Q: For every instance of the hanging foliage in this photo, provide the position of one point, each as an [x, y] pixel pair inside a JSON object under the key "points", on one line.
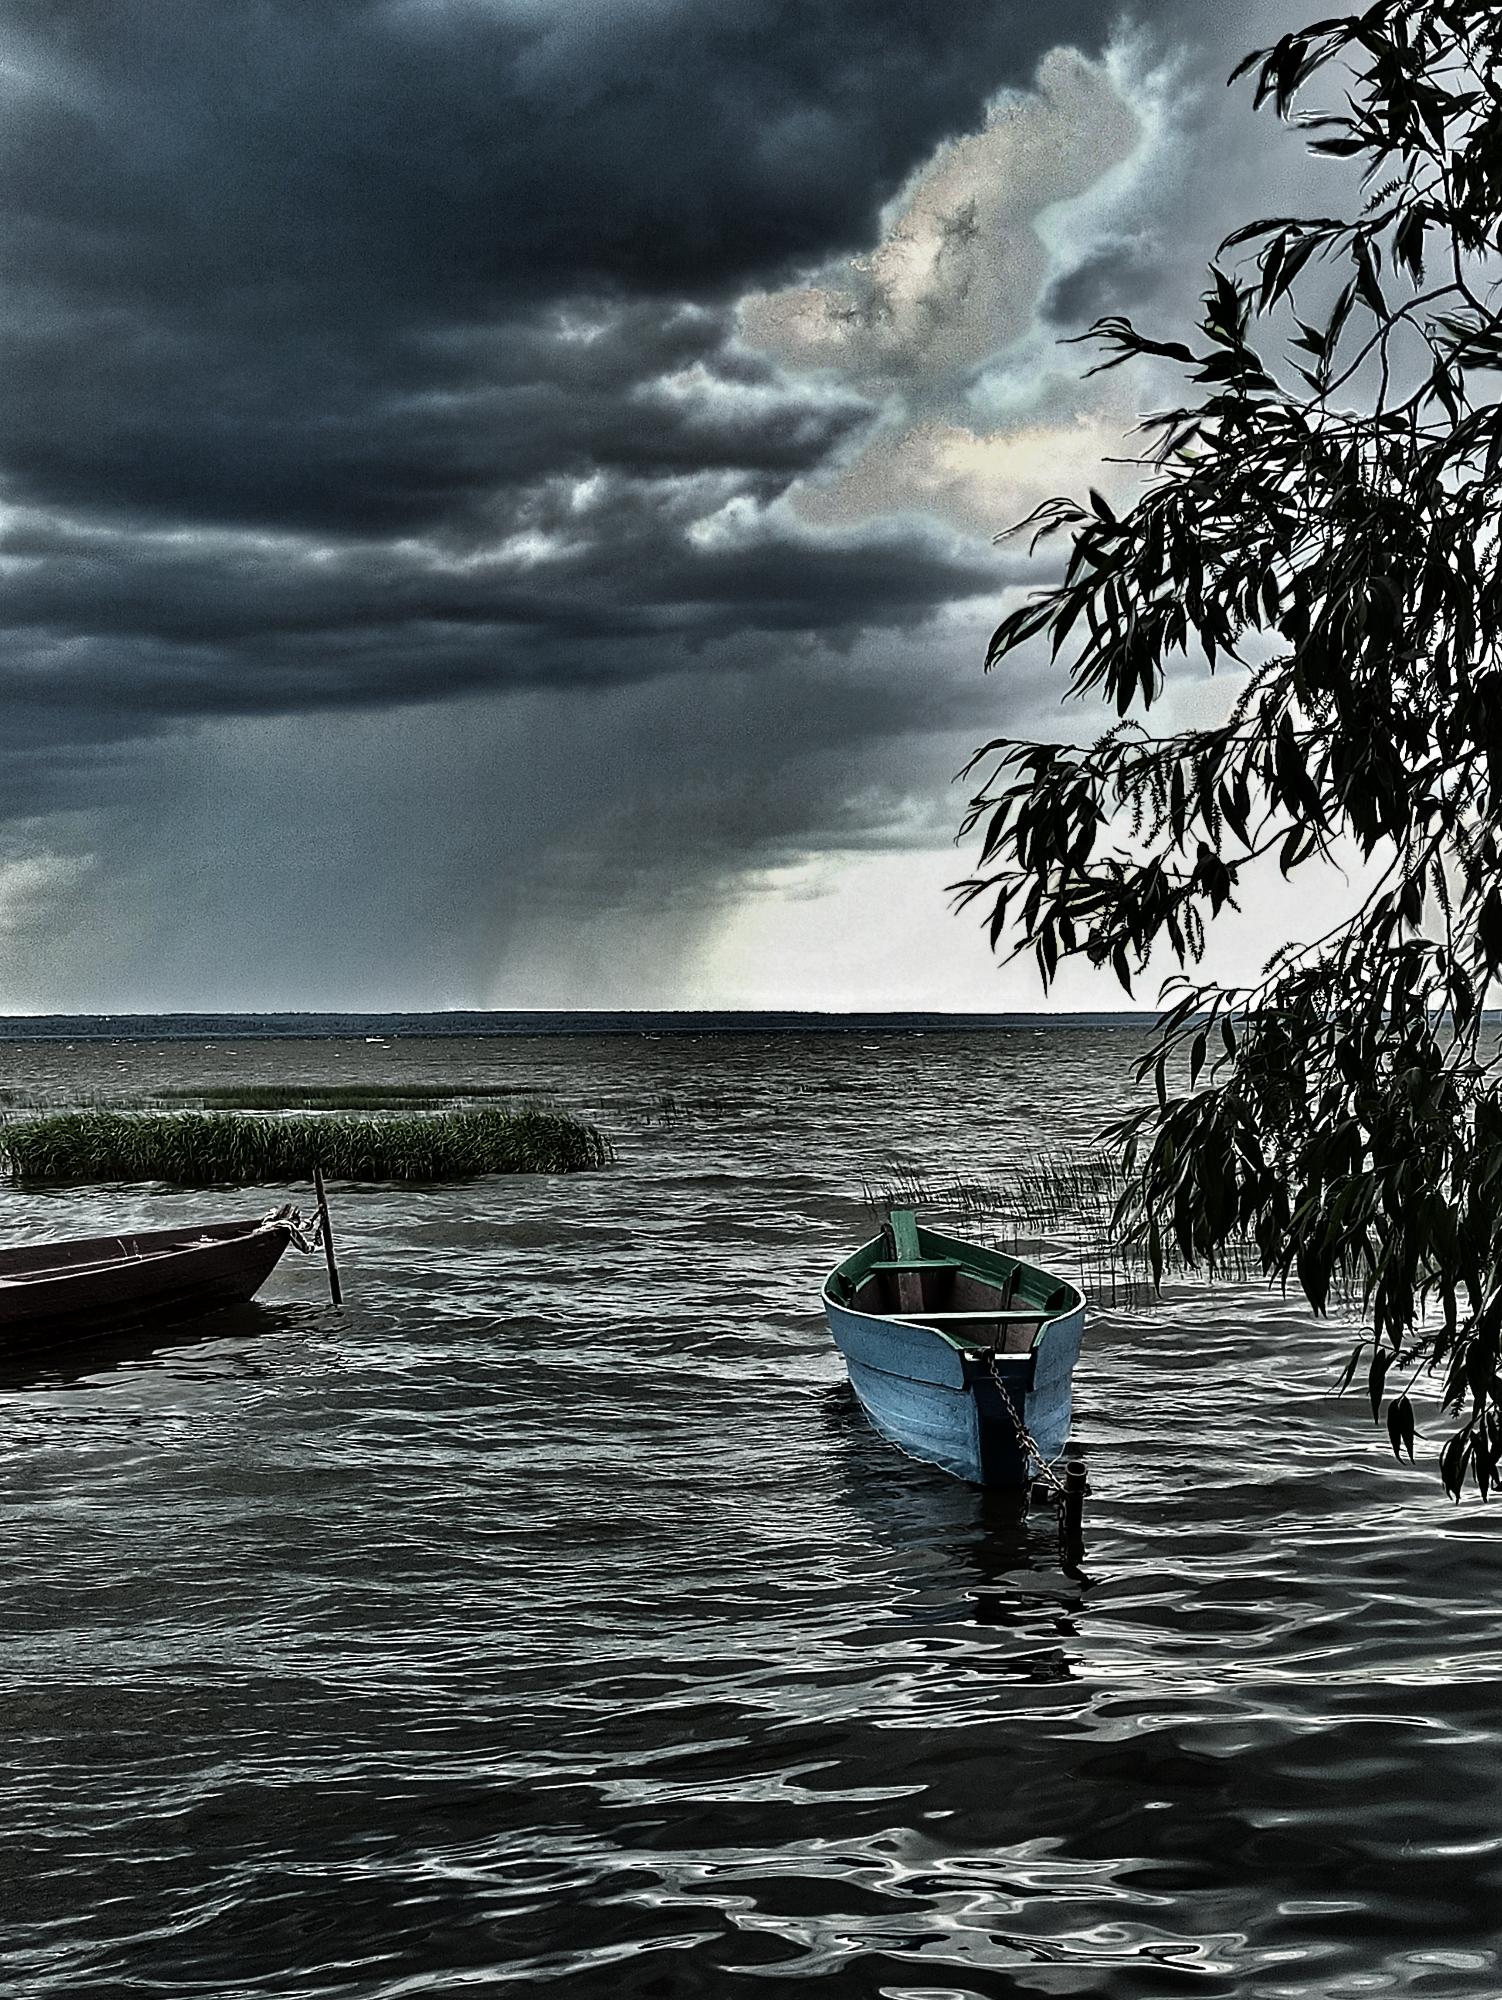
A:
{"points": [[1322, 513]]}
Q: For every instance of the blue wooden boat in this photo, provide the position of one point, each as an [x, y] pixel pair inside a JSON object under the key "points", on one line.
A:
{"points": [[939, 1336]]}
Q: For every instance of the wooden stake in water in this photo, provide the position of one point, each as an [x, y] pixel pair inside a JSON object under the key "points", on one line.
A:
{"points": [[1072, 1514], [327, 1230]]}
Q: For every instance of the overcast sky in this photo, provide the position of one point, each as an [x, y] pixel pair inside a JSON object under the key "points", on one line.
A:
{"points": [[497, 496]]}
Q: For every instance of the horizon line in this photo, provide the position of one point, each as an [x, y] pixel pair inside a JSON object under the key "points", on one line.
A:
{"points": [[613, 1013]]}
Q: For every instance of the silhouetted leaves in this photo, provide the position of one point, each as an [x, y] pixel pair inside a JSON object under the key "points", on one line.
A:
{"points": [[1400, 1427], [1323, 510]]}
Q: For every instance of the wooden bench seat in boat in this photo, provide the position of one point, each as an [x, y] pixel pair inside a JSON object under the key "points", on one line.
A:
{"points": [[1032, 1315], [909, 1269], [1012, 1332], [908, 1273], [916, 1264]]}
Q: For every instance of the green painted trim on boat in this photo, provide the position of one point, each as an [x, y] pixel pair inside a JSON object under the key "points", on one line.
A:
{"points": [[1051, 1296], [904, 1223]]}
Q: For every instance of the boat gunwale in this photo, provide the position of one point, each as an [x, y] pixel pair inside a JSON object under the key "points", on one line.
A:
{"points": [[917, 1324], [196, 1241]]}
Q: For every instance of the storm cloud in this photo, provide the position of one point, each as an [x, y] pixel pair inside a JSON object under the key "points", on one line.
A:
{"points": [[600, 410]]}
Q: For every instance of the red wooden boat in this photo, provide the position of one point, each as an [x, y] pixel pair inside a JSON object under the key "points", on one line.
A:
{"points": [[54, 1293]]}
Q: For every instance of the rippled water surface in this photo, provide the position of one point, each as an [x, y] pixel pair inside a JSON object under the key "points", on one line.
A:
{"points": [[551, 1616]]}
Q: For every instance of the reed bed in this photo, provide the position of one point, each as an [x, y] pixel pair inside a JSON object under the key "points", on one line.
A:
{"points": [[205, 1149]]}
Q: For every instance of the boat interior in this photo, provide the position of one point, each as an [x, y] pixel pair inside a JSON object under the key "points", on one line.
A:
{"points": [[1004, 1309], [940, 1292]]}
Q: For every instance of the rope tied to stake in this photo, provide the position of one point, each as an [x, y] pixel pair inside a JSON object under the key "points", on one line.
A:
{"points": [[303, 1231], [313, 1232]]}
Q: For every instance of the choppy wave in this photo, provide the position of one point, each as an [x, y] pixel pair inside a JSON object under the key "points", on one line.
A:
{"points": [[551, 1616]]}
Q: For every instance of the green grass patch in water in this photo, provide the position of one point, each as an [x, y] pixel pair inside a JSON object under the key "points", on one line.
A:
{"points": [[208, 1149]]}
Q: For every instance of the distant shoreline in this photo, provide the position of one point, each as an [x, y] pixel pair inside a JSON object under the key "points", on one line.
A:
{"points": [[517, 1022]]}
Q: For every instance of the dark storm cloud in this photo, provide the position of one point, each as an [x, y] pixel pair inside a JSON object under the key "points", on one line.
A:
{"points": [[387, 156], [369, 282], [383, 360], [1115, 278], [266, 228], [592, 587], [430, 429]]}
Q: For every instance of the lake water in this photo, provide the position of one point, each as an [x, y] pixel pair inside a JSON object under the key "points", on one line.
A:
{"points": [[550, 1615]]}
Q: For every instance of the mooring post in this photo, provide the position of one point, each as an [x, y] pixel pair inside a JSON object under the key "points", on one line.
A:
{"points": [[1072, 1514], [326, 1229]]}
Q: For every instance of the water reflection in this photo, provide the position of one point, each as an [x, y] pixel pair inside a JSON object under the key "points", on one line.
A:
{"points": [[997, 1546], [79, 1361]]}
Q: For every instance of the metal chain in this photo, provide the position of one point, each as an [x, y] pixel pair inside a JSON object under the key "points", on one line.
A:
{"points": [[1025, 1438]]}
